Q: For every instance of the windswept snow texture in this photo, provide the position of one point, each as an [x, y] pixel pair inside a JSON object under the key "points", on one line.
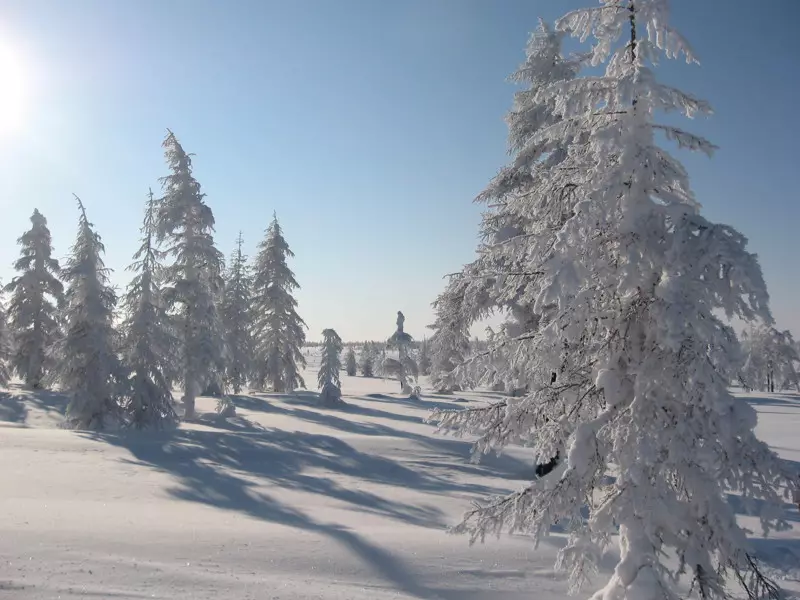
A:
{"points": [[287, 500]]}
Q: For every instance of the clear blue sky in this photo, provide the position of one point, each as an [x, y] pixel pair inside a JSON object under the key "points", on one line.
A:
{"points": [[368, 125]]}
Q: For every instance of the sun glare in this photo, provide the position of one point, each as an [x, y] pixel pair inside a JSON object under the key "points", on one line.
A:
{"points": [[12, 92]]}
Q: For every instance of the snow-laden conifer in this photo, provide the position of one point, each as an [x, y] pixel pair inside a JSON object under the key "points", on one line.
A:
{"points": [[237, 319], [449, 344], [89, 369], [193, 281], [405, 367], [330, 365], [367, 360], [6, 348], [37, 296], [523, 202], [149, 342], [279, 331], [424, 358], [771, 360], [626, 357], [350, 362]]}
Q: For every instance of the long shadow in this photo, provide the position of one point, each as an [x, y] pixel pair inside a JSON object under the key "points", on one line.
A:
{"points": [[459, 451], [15, 404], [207, 484], [236, 424], [223, 470], [47, 400], [262, 404], [783, 401], [12, 410], [421, 404], [294, 460], [755, 507], [778, 553]]}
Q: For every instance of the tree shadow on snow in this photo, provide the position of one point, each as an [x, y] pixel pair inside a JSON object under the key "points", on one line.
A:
{"points": [[458, 452], [778, 553], [783, 400], [289, 404], [219, 469], [755, 507], [12, 409], [420, 403], [236, 424], [15, 404], [223, 470]]}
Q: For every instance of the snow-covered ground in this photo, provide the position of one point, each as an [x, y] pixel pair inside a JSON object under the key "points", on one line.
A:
{"points": [[285, 501]]}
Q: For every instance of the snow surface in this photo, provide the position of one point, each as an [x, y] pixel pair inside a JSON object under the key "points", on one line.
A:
{"points": [[287, 500]]}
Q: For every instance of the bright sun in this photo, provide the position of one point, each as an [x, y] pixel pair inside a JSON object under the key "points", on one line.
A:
{"points": [[13, 99]]}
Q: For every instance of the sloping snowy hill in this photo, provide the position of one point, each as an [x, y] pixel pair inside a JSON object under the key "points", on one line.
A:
{"points": [[286, 501]]}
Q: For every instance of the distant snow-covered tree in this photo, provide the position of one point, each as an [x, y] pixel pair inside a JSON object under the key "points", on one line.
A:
{"points": [[37, 295], [367, 360], [89, 369], [149, 342], [237, 318], [771, 359], [6, 348], [193, 281], [449, 344], [424, 358], [380, 359], [330, 365], [350, 362], [279, 331], [405, 367], [618, 284]]}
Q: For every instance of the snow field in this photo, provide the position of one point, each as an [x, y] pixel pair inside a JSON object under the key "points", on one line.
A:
{"points": [[286, 501]]}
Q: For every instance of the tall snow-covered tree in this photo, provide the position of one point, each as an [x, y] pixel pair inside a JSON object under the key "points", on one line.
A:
{"points": [[89, 369], [522, 202], [237, 319], [350, 362], [626, 358], [330, 365], [37, 295], [405, 367], [193, 282], [449, 342], [149, 341], [424, 358], [6, 348], [279, 331], [771, 359], [367, 360]]}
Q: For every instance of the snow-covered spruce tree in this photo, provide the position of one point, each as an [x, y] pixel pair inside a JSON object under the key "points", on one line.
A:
{"points": [[627, 364], [237, 318], [89, 369], [279, 332], [367, 360], [379, 363], [193, 281], [424, 358], [405, 367], [771, 359], [522, 203], [330, 365], [37, 295], [149, 341], [350, 362], [449, 342], [6, 348]]}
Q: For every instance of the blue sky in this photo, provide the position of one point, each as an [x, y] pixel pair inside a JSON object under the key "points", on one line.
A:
{"points": [[368, 125]]}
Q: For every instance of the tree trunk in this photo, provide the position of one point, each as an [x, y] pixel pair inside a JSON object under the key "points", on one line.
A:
{"points": [[188, 405]]}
